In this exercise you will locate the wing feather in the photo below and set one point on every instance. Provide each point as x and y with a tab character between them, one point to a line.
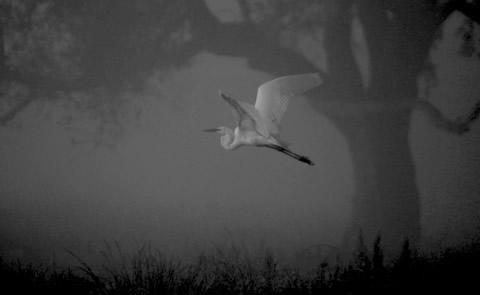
273	96
243	118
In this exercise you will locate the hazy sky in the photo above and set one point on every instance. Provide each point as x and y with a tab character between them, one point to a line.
167	183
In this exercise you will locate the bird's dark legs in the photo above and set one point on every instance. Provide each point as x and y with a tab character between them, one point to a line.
289	153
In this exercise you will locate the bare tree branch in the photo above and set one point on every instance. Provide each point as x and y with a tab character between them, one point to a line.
12	113
458	126
442	12
245	10
473	115
471	9
353	108
245	39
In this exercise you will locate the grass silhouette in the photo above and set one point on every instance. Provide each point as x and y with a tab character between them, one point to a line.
231	271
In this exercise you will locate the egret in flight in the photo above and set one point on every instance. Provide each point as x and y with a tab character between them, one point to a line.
259	125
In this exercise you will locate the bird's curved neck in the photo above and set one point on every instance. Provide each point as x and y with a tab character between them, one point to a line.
228	140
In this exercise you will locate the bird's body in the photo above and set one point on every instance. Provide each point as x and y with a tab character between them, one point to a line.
259	125
246	137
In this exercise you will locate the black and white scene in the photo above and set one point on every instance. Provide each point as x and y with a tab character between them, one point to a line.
239	146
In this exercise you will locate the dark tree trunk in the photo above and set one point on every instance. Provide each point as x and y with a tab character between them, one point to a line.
398	203
386	200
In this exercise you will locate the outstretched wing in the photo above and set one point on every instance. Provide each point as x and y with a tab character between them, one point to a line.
242	116
273	96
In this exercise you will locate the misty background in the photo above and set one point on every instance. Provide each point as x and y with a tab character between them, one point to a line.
103	102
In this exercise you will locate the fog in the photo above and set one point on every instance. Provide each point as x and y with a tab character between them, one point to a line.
72	180
167	183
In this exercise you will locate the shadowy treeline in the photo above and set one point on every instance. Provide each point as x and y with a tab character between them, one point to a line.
231	272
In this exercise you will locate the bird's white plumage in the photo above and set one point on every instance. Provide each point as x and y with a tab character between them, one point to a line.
273	96
248	118
259	125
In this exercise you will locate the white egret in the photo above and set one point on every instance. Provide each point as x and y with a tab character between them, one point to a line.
259	125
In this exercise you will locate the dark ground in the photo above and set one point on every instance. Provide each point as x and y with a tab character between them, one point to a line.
149	272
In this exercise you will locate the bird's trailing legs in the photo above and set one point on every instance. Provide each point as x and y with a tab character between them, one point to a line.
289	153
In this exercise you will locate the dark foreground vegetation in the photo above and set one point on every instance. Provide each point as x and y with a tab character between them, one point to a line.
452	271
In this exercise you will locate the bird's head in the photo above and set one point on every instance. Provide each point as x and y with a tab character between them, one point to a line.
227	135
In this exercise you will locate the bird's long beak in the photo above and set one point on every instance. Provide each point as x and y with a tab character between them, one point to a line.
211	130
